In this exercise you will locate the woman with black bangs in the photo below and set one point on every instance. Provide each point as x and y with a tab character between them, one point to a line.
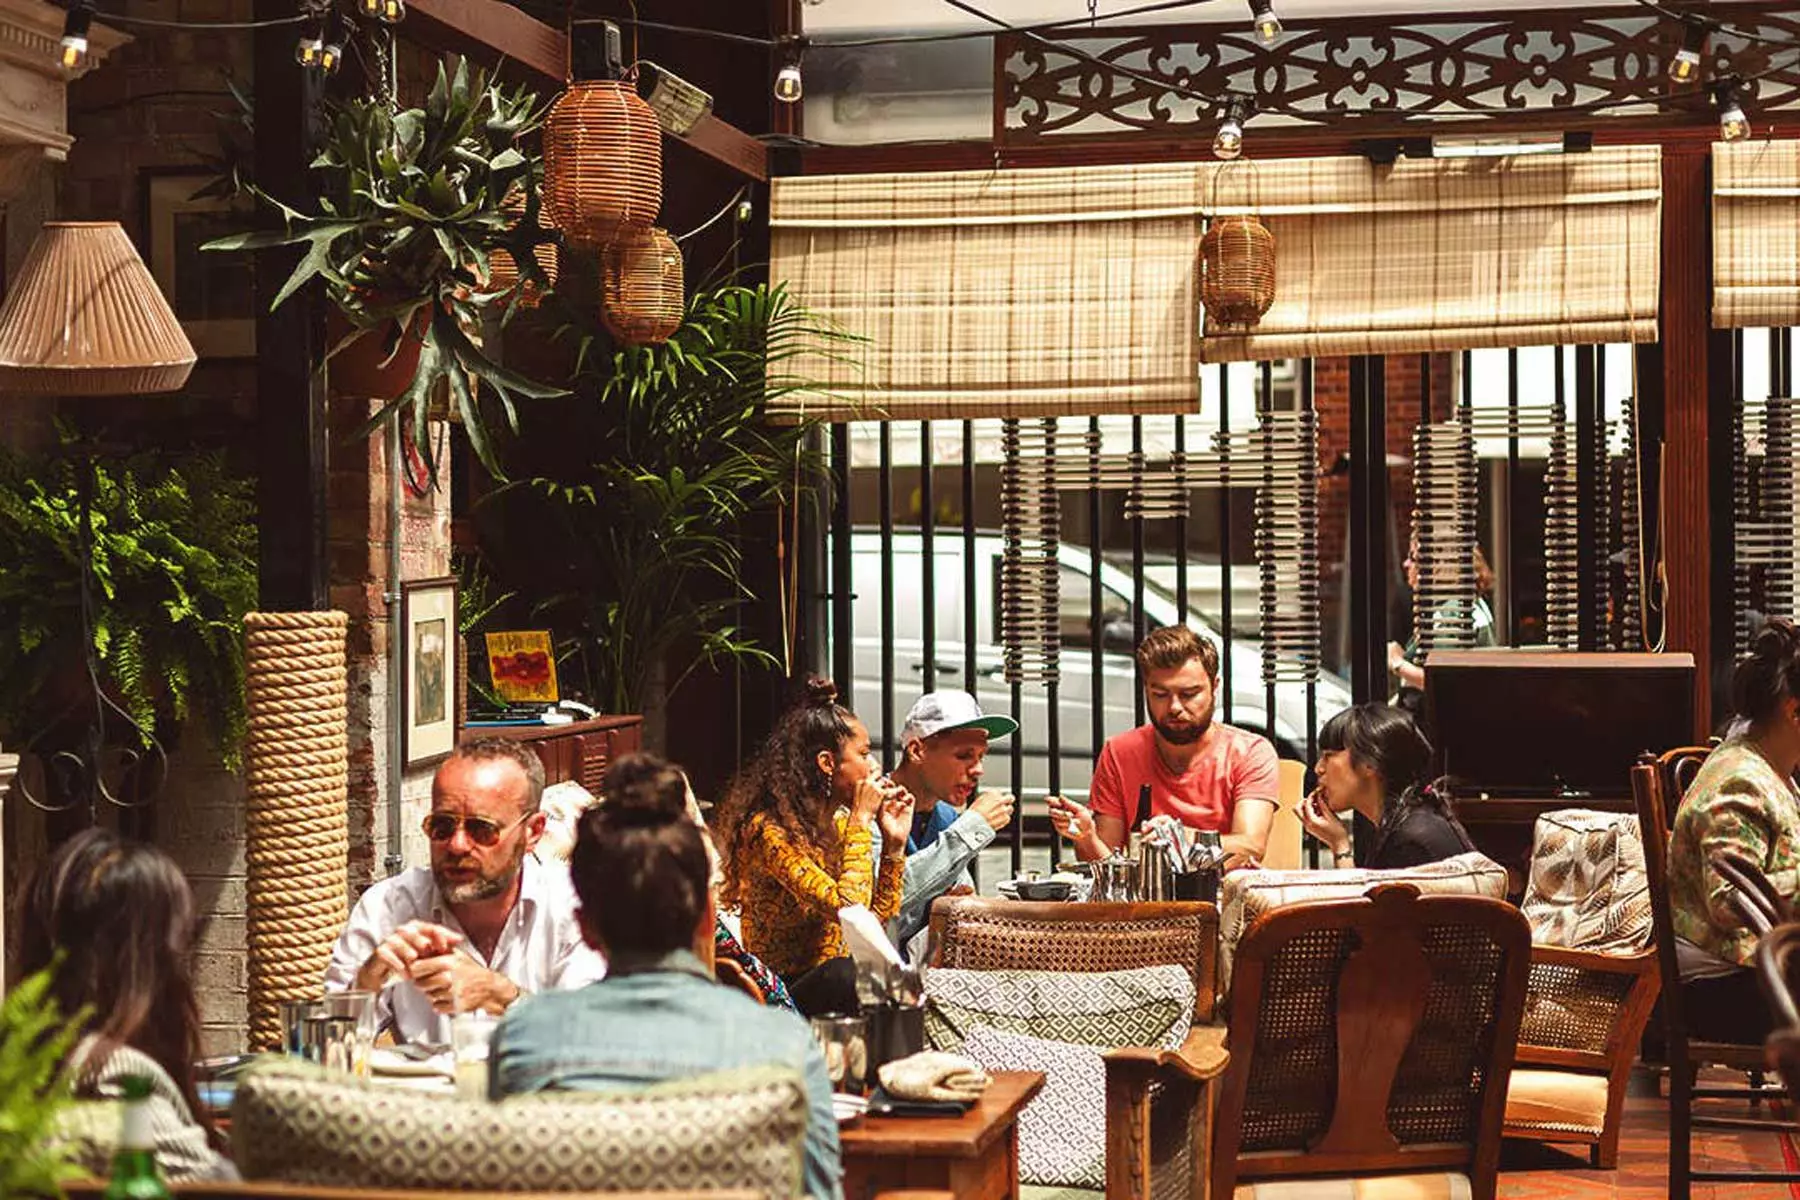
1373	760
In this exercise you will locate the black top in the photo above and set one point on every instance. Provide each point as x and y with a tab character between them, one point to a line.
1424	835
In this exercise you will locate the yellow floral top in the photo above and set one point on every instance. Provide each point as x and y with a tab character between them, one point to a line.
791	899
1737	802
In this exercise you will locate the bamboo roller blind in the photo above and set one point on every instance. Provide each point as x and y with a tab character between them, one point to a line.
1023	293
1074	291
1756	234
1451	254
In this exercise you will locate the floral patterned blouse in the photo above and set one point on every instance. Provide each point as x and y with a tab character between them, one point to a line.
1737	802
791	895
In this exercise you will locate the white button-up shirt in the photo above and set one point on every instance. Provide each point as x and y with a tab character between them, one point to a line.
540	947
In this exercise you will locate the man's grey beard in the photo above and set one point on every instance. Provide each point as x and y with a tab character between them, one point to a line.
478	889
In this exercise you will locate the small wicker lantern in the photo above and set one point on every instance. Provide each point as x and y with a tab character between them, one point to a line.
1237	270
602	161
641	286
503	271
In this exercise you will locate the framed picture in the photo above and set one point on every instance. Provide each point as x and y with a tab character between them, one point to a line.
213	295
522	666
428	682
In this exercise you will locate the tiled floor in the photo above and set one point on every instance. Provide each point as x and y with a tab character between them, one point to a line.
1530	1171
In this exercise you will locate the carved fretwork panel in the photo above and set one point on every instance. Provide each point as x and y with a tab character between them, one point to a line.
1562	69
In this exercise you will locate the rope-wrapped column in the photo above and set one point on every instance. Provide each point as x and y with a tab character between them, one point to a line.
296	826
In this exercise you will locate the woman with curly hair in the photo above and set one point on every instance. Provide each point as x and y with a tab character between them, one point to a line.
1373	760
795	827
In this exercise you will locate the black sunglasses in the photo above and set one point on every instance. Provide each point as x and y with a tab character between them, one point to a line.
441	827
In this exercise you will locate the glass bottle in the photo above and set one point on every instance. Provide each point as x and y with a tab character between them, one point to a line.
134	1173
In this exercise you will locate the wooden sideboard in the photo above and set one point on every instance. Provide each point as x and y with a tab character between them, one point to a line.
580	752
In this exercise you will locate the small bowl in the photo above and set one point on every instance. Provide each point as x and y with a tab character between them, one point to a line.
1043	889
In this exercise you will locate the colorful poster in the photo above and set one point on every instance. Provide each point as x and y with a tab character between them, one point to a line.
522	666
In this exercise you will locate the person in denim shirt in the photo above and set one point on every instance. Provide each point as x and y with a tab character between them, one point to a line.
640	871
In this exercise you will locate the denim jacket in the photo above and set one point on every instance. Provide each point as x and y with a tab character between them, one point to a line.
938	854
652	1021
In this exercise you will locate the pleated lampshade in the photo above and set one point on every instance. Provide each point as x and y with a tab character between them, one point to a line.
641	296
602	161
85	318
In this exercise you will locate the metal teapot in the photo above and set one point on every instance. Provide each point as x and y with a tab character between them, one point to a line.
1115	879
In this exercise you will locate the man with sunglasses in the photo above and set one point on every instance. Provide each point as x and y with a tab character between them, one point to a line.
486	923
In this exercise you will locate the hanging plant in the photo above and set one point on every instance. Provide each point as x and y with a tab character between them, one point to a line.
411	208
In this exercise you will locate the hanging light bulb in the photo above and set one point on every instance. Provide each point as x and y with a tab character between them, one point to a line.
1229	143
1685	66
310	49
1268	25
73	54
1734	126
789	87
392	11
331	52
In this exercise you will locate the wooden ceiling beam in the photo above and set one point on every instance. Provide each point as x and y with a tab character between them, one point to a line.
484	28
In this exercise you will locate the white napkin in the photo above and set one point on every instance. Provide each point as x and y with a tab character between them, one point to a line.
934	1075
866	940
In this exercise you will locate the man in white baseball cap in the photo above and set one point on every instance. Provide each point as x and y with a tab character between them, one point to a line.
944	740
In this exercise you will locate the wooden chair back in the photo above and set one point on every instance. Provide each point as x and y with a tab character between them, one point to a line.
1286	837
729	973
979	934
1372	1036
1778	963
1657	784
1755	898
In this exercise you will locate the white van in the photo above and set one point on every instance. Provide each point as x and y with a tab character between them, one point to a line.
1249	699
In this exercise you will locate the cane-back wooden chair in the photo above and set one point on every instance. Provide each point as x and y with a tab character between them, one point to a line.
1778	959
1371	1038
1159	1103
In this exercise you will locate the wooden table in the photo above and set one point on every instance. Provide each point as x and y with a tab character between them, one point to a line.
974	1156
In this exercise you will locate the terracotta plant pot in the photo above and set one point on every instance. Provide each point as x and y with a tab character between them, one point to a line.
358	369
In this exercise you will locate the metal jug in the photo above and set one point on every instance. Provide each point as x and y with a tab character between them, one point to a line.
1115	879
1155	876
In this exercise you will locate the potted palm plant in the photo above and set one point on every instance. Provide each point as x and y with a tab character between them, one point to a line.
412	205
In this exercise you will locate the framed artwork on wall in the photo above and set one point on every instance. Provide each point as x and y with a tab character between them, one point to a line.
213	295
428	683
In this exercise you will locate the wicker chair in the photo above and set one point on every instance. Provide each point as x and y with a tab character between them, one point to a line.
1159	1103
1372	1037
1653	782
1584	1019
252	1190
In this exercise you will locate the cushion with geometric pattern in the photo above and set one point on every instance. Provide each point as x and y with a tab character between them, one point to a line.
1144	1006
1062	1132
1588	888
292	1122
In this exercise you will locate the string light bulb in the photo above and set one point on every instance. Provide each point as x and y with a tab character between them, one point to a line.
1685	66
74	50
1229	142
1268	25
310	48
331	52
1734	126
388	12
789	87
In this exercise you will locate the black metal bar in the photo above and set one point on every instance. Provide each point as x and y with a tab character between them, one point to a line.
1137	561
1590	491
887	591
1512	496
1052	718
1096	600
1225	672
970	677
843	600
1181	526
1265	408
1314	848
1724	384
1368	528
1016	831
928	562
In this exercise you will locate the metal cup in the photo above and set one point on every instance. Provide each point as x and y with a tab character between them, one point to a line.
355	1027
294	1014
1115	879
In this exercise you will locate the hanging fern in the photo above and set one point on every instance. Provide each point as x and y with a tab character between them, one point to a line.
174	565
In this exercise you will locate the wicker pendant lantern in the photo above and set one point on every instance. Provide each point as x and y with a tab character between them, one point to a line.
86	319
602	161
641	285
1237	270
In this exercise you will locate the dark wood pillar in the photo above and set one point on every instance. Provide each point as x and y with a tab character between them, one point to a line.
1687	433
1368	529
290	394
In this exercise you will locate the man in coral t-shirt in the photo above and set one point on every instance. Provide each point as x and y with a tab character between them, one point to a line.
1204	773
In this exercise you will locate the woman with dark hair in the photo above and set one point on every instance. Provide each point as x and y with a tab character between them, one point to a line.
795	828
1374	760
641	872
115	919
1742	801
